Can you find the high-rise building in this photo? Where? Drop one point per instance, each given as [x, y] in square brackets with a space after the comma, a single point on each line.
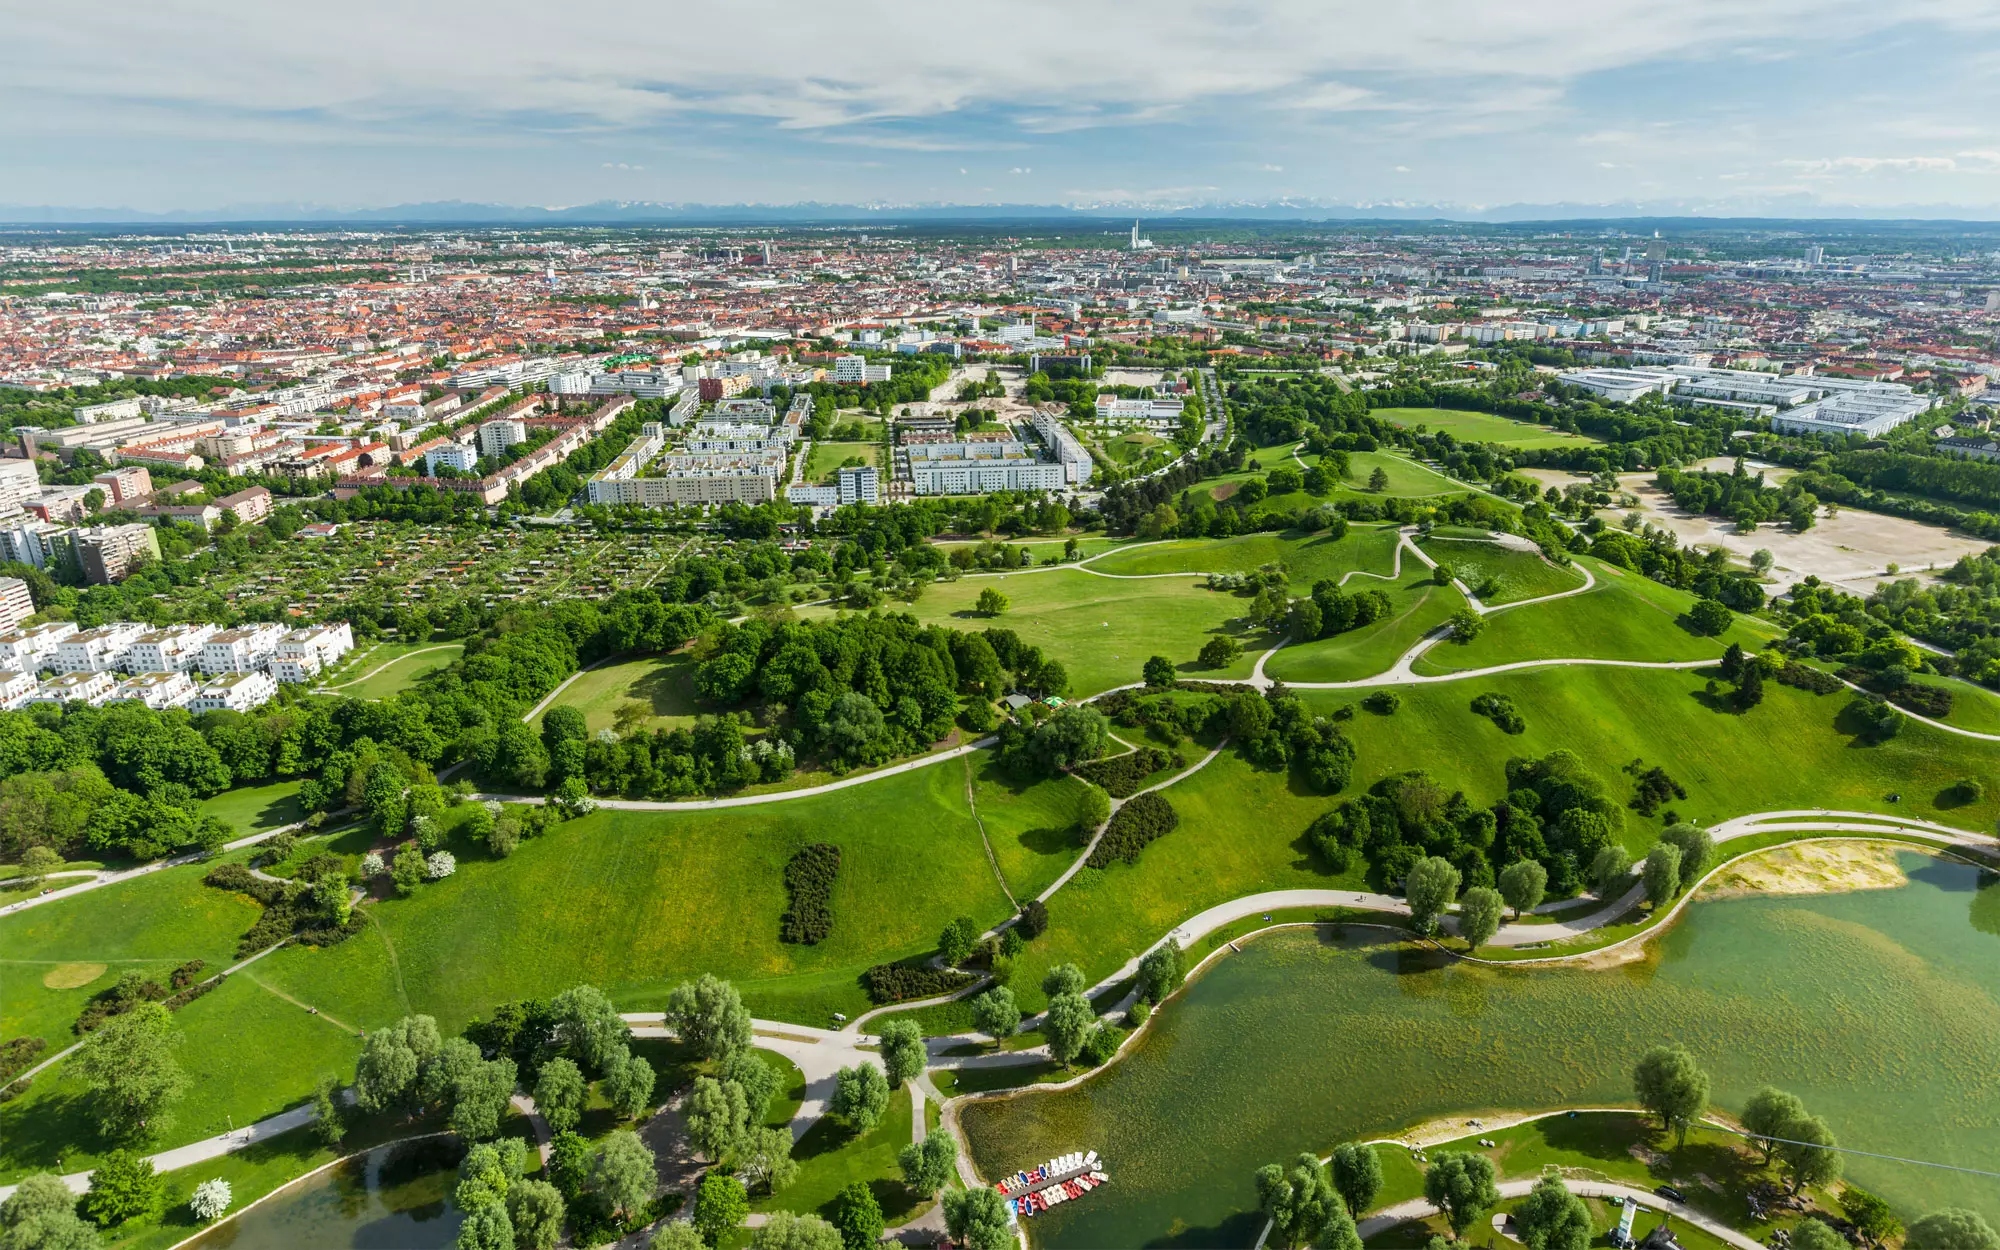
[18, 484]
[108, 553]
[16, 605]
[1815, 254]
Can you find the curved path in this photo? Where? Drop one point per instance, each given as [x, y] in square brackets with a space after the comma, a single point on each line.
[407, 655]
[1419, 1208]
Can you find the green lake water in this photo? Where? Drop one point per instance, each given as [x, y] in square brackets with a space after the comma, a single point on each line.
[394, 1198]
[1881, 1009]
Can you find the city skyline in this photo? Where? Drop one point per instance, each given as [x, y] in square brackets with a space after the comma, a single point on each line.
[1789, 110]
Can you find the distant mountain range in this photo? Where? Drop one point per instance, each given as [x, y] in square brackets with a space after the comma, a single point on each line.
[626, 212]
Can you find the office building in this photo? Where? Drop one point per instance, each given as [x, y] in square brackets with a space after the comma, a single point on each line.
[857, 369]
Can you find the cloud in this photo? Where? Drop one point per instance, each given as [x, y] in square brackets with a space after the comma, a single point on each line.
[1271, 169]
[1021, 169]
[1871, 164]
[620, 165]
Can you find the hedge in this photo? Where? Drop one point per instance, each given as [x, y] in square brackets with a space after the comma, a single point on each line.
[809, 880]
[1145, 818]
[1806, 677]
[898, 983]
[1121, 775]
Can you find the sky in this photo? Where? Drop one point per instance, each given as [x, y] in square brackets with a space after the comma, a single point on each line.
[1776, 106]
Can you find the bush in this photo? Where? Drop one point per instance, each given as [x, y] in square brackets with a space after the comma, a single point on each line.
[1034, 920]
[1383, 702]
[1501, 711]
[898, 983]
[809, 879]
[1932, 701]
[1805, 677]
[1220, 652]
[1145, 818]
[1121, 775]
[440, 864]
[17, 1054]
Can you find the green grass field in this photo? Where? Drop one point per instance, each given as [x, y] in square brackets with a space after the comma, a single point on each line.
[826, 457]
[1421, 605]
[662, 684]
[1306, 557]
[831, 1158]
[399, 665]
[250, 809]
[1517, 574]
[1102, 629]
[1030, 825]
[1480, 427]
[1626, 616]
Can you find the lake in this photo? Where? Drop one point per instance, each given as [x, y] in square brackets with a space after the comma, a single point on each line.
[392, 1198]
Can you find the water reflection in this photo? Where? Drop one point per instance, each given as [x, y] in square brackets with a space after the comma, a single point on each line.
[393, 1198]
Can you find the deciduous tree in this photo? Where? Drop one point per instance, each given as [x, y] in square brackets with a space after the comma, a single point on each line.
[1670, 1084]
[1460, 1185]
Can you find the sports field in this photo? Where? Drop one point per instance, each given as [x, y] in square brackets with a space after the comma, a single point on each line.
[1481, 427]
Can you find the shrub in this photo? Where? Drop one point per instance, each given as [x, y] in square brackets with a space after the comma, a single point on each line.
[1121, 775]
[1145, 818]
[440, 864]
[1383, 702]
[898, 983]
[1932, 701]
[17, 1054]
[809, 879]
[1220, 652]
[211, 1198]
[1805, 677]
[373, 865]
[1501, 711]
[1034, 919]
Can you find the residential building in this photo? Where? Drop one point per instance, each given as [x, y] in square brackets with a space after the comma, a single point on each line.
[1977, 448]
[16, 688]
[108, 553]
[242, 650]
[234, 692]
[857, 369]
[495, 437]
[19, 483]
[126, 483]
[858, 484]
[319, 644]
[174, 649]
[91, 688]
[250, 506]
[97, 650]
[62, 504]
[1071, 454]
[33, 649]
[813, 496]
[16, 604]
[156, 690]
[460, 456]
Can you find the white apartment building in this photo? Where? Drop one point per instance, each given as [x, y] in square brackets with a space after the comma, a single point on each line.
[16, 688]
[99, 650]
[234, 692]
[19, 483]
[496, 437]
[33, 649]
[158, 691]
[1072, 455]
[303, 653]
[241, 650]
[858, 484]
[175, 649]
[813, 496]
[461, 456]
[91, 688]
[16, 604]
[857, 369]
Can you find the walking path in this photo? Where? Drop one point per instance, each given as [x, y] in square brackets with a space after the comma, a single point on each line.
[407, 655]
[1419, 1208]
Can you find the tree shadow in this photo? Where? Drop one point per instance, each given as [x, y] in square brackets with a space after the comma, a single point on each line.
[1049, 841]
[1240, 1229]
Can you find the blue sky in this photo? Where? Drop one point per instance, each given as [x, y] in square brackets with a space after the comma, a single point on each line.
[1771, 105]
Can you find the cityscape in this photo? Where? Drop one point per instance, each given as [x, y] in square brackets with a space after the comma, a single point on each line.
[1380, 642]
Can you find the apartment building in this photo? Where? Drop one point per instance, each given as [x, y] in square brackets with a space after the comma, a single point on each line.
[459, 456]
[91, 688]
[158, 691]
[16, 604]
[303, 653]
[234, 692]
[16, 688]
[250, 506]
[858, 484]
[34, 542]
[857, 369]
[33, 649]
[243, 650]
[496, 437]
[99, 650]
[175, 649]
[19, 483]
[109, 553]
[126, 483]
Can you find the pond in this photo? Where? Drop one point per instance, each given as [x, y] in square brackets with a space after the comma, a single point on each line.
[1881, 1009]
[392, 1198]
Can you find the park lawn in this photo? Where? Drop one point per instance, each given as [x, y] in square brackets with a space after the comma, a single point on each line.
[1031, 825]
[253, 809]
[1421, 605]
[662, 684]
[384, 675]
[1481, 427]
[831, 1158]
[1101, 629]
[247, 1053]
[151, 923]
[1628, 617]
[1406, 477]
[1087, 545]
[1516, 574]
[1973, 706]
[1307, 558]
[1129, 448]
[791, 1089]
[634, 902]
[826, 457]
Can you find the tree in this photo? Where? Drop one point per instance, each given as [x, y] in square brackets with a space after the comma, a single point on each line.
[956, 943]
[1466, 625]
[1872, 1217]
[407, 870]
[123, 1187]
[1522, 884]
[1697, 849]
[1813, 1235]
[1378, 481]
[622, 1172]
[41, 1215]
[628, 1083]
[1768, 1114]
[715, 1114]
[1610, 871]
[1067, 1023]
[486, 1228]
[391, 1061]
[129, 1069]
[569, 1164]
[1034, 919]
[1063, 979]
[1761, 561]
[1710, 616]
[1663, 874]
[858, 1216]
[764, 1157]
[478, 1094]
[1953, 1228]
[996, 1014]
[1810, 1156]
[1460, 1185]
[536, 1210]
[929, 1165]
[210, 1199]
[1479, 916]
[1219, 652]
[1430, 889]
[559, 1091]
[1553, 1218]
[1669, 1083]
[1160, 673]
[902, 1049]
[1357, 1175]
[1161, 971]
[589, 1025]
[708, 1014]
[977, 1219]
[991, 602]
[759, 1082]
[786, 1230]
[329, 1119]
[719, 1206]
[1302, 1204]
[860, 1096]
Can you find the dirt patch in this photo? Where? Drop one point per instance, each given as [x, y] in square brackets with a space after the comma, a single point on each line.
[1224, 491]
[71, 976]
[1813, 868]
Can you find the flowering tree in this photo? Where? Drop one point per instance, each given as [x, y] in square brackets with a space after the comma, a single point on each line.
[373, 865]
[211, 1199]
[440, 865]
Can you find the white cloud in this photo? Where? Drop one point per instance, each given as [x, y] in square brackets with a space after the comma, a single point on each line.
[620, 165]
[1271, 169]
